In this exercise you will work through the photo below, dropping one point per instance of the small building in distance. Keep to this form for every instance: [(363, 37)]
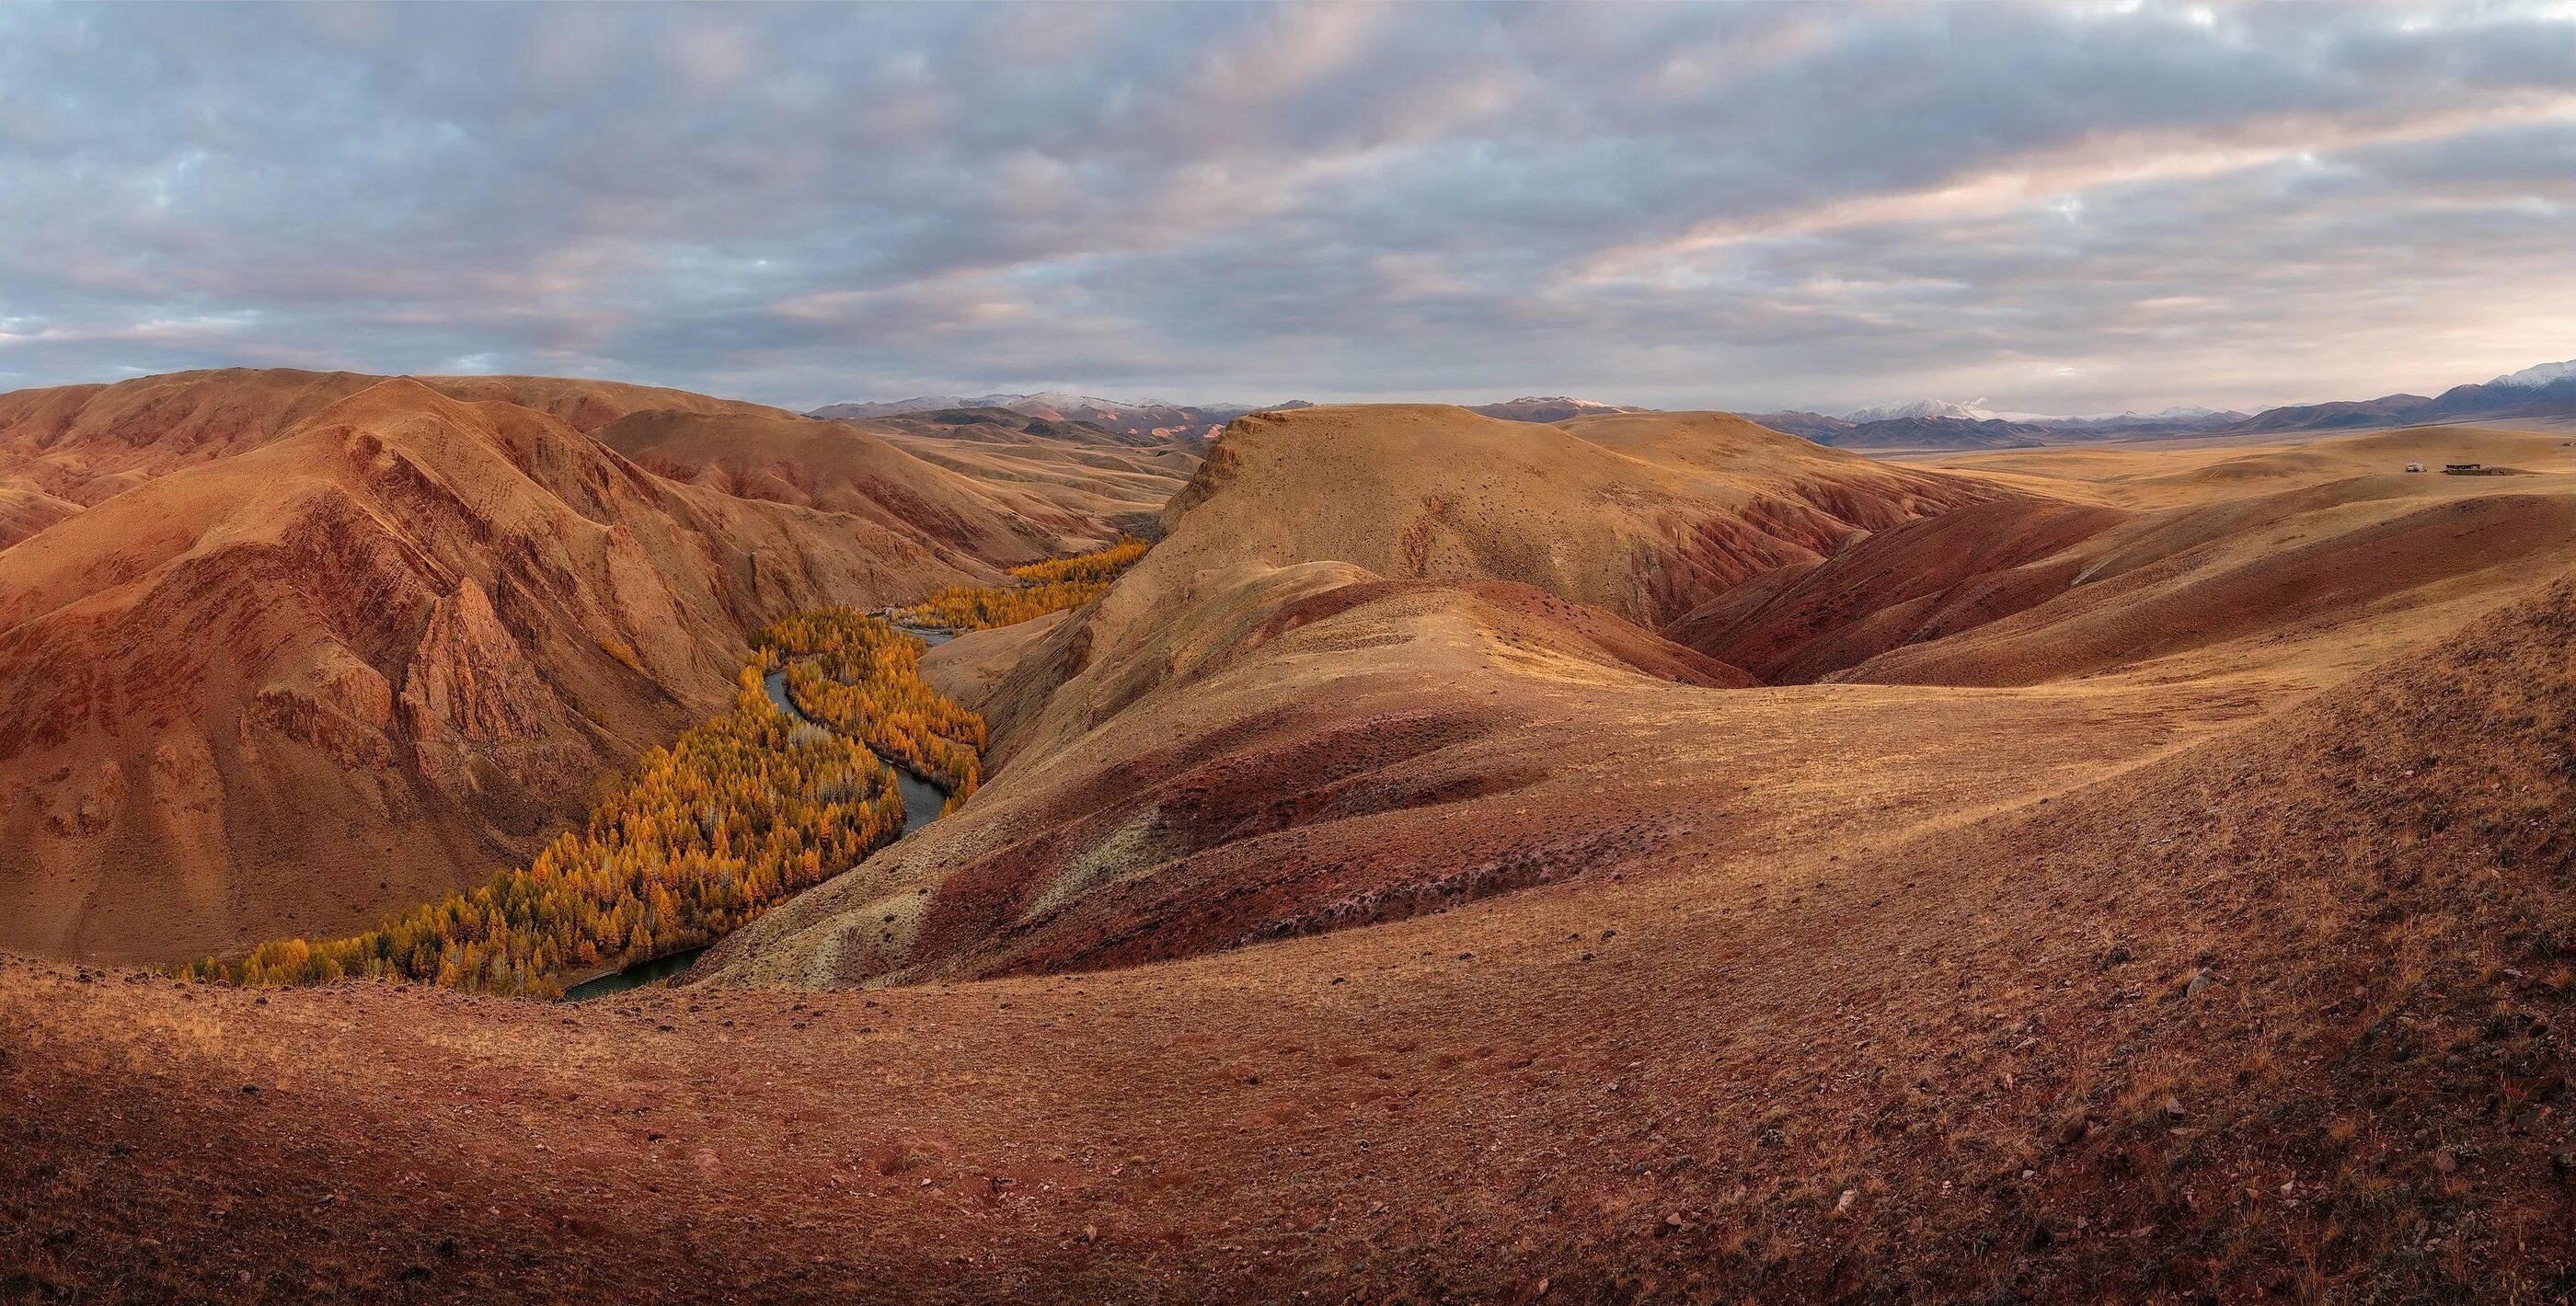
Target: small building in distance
[(2474, 469), (2414, 467)]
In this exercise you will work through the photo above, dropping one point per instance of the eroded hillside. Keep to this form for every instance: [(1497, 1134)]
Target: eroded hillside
[(1354, 684), (289, 687), (1113, 477)]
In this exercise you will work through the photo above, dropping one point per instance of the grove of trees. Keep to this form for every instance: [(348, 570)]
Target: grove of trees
[(862, 678), (736, 815), (1050, 586)]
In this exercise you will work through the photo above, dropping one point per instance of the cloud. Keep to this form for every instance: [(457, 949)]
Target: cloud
[(2073, 207)]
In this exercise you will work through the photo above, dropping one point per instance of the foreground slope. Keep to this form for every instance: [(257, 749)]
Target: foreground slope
[(286, 690), (2280, 1013)]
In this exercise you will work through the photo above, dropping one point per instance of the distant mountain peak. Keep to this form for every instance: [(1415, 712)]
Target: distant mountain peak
[(2532, 378), (1912, 409), (1136, 417), (1564, 399), (1548, 408), (1975, 410)]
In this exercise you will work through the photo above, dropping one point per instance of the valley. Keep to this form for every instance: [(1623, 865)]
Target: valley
[(344, 644), (1633, 856), (741, 812)]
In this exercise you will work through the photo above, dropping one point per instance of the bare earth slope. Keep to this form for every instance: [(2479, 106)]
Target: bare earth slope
[(2327, 555), (2128, 561), (1645, 516), (25, 510), (286, 690)]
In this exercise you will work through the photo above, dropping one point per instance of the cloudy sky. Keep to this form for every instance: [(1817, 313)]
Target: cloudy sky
[(2062, 208)]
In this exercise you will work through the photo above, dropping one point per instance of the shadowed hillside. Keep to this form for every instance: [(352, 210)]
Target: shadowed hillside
[(838, 467)]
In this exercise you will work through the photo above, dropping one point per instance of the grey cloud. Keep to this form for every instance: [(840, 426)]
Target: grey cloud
[(1745, 206)]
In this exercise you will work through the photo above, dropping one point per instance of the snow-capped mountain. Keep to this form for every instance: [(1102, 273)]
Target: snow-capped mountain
[(2544, 393), (2177, 414), (2532, 378), (1549, 408), (1917, 408), (1975, 410)]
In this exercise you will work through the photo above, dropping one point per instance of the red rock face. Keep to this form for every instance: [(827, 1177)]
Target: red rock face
[(471, 694)]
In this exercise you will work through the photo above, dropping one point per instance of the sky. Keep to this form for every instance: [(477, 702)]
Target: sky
[(2065, 208)]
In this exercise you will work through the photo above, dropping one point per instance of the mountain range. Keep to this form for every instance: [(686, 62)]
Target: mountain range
[(2544, 392), (1165, 419), (1153, 417)]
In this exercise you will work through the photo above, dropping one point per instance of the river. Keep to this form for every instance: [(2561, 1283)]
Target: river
[(923, 803)]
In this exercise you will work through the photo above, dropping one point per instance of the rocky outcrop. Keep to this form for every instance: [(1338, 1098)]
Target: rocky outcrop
[(470, 694), (344, 708)]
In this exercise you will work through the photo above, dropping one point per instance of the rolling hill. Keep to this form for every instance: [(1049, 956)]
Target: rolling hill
[(779, 457), (1100, 481)]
